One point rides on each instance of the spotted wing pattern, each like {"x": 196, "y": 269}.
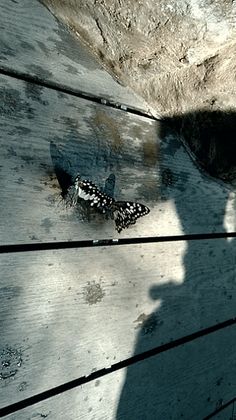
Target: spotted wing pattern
{"x": 88, "y": 191}
{"x": 125, "y": 213}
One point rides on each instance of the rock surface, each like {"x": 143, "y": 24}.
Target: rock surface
{"x": 178, "y": 54}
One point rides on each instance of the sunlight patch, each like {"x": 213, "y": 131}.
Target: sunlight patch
{"x": 230, "y": 215}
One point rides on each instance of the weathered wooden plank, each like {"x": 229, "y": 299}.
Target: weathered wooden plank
{"x": 66, "y": 313}
{"x": 34, "y": 43}
{"x": 188, "y": 382}
{"x": 100, "y": 143}
{"x": 97, "y": 141}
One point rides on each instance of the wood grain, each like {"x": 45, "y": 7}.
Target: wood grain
{"x": 188, "y": 382}
{"x": 65, "y": 314}
{"x": 99, "y": 143}
{"x": 35, "y": 44}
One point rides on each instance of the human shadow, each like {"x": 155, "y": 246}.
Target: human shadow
{"x": 210, "y": 136}
{"x": 192, "y": 380}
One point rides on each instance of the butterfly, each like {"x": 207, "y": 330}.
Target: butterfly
{"x": 125, "y": 213}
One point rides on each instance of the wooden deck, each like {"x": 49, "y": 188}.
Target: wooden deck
{"x": 113, "y": 331}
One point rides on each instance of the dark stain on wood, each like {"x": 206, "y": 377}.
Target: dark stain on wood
{"x": 27, "y": 159}
{"x": 20, "y": 131}
{"x": 47, "y": 224}
{"x": 149, "y": 189}
{"x": 93, "y": 293}
{"x": 11, "y": 152}
{"x": 10, "y": 292}
{"x": 43, "y": 48}
{"x": 38, "y": 70}
{"x": 27, "y": 46}
{"x": 10, "y": 362}
{"x": 71, "y": 123}
{"x": 219, "y": 381}
{"x": 6, "y": 52}
{"x": 109, "y": 126}
{"x": 23, "y": 386}
{"x": 167, "y": 177}
{"x": 150, "y": 152}
{"x": 20, "y": 180}
{"x": 34, "y": 92}
{"x": 12, "y": 104}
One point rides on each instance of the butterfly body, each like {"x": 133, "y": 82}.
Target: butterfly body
{"x": 125, "y": 213}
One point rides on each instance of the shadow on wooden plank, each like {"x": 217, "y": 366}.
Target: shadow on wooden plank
{"x": 189, "y": 382}
{"x": 148, "y": 164}
{"x": 192, "y": 403}
{"x": 138, "y": 395}
{"x": 68, "y": 313}
{"x": 96, "y": 144}
{"x": 210, "y": 136}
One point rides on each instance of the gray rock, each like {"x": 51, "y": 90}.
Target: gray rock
{"x": 178, "y": 54}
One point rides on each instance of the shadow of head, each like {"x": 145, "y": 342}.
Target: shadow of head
{"x": 211, "y": 137}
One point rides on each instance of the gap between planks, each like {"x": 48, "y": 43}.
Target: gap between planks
{"x": 35, "y": 43}
{"x": 12, "y": 408}
{"x": 46, "y": 246}
{"x": 97, "y": 142}
{"x": 49, "y": 84}
{"x": 189, "y": 382}
{"x": 54, "y": 308}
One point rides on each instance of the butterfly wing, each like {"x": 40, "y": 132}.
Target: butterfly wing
{"x": 88, "y": 191}
{"x": 126, "y": 213}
